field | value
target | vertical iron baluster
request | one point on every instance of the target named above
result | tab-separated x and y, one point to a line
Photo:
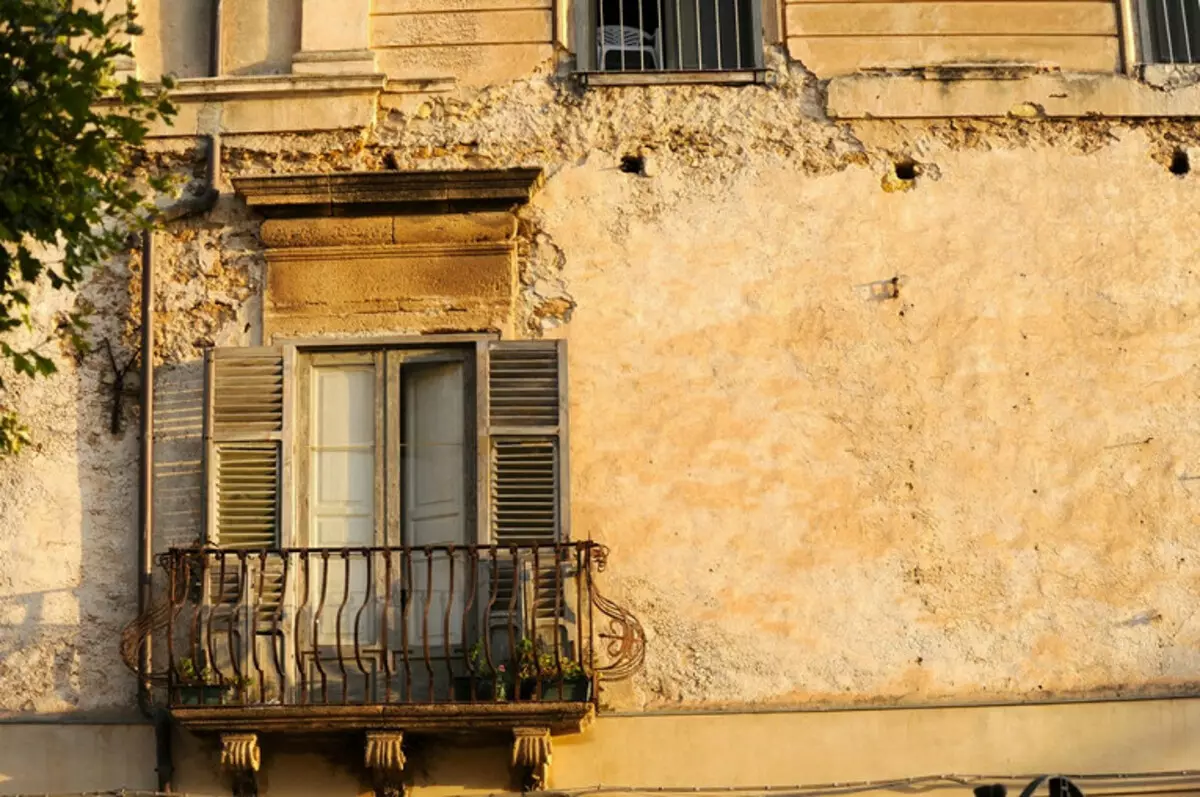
737	36
370	593
473	569
234	619
1187	35
318	610
699	41
446	622
514	654
172	612
253	620
717	25
591	624
533	610
601	55
341	657
641	37
558	613
276	638
658	38
405	603
425	618
487	623
305	559
385	626
678	33
198	612
577	574
212	613
621	30
1166	23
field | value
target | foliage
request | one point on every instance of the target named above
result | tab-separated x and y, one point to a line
192	675
71	136
533	660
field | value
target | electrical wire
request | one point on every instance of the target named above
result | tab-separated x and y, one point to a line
798	790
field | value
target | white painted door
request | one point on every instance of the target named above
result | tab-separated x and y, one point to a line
342	496
434	500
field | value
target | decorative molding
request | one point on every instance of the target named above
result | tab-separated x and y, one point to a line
385	760
532	751
241	758
348	189
1011	91
210	89
325	254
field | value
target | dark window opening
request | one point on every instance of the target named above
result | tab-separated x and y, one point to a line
1171	30
655	35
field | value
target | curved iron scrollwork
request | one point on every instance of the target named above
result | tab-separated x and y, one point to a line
156	618
619	634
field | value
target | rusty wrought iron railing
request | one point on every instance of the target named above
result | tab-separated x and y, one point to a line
360	626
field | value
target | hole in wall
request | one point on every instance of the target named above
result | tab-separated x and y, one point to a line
1180	163
633	164
905	169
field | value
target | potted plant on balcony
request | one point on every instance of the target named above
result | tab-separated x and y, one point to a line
552	677
201	686
485	682
563	679
198	686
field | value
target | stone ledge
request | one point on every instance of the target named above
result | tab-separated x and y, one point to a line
344	189
411	718
716	77
227	88
1003	92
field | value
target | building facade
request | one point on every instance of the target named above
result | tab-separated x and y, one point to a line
813	382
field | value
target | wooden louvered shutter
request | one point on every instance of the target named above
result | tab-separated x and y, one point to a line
527	438
245	458
527	463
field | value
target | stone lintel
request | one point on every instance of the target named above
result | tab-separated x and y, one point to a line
342	191
445	229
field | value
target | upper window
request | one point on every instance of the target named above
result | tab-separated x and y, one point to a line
1170	31
670	35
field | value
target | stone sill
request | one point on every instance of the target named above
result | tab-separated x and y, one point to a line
727	77
558	717
270	86
1022	92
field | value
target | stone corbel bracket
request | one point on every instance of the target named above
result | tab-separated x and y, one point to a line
385	760
241	758
532	750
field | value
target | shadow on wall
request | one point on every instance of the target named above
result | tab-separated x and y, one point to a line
316	767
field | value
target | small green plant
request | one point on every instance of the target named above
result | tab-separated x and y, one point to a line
191	675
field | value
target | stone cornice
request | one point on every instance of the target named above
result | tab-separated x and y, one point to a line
299	194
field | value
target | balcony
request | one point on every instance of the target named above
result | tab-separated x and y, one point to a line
394	640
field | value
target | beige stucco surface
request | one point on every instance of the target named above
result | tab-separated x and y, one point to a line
978	488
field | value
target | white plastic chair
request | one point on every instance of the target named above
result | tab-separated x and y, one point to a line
626	39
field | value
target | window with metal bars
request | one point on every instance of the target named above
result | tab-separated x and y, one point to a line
670	35
1170	31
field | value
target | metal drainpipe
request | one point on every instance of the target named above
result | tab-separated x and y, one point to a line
164	760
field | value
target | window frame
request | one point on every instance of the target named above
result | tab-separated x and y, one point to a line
473	347
589	73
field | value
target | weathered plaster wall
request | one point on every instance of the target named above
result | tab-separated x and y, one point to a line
850	443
